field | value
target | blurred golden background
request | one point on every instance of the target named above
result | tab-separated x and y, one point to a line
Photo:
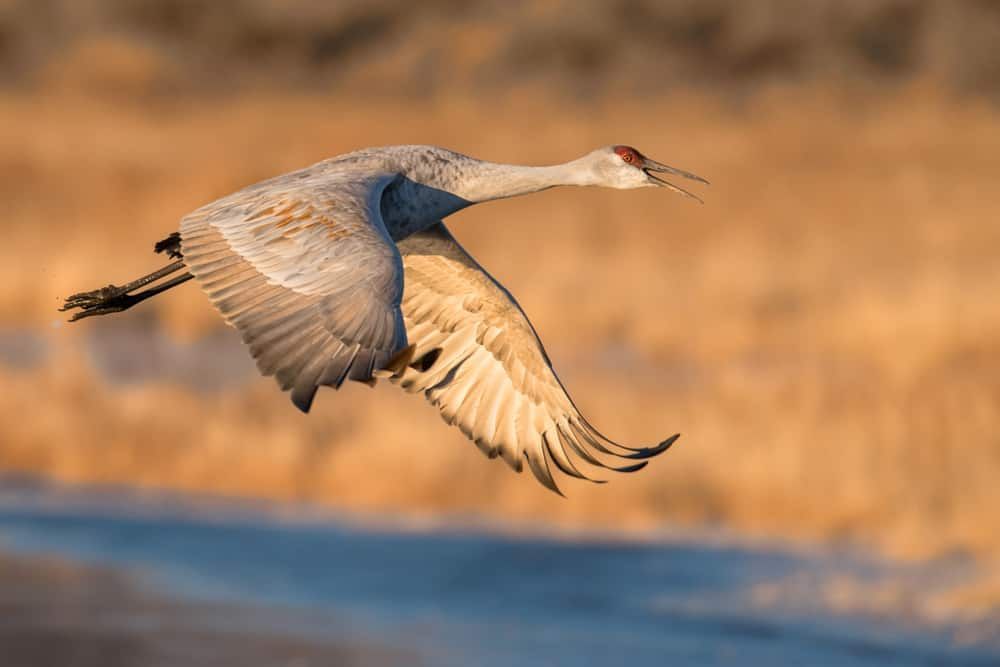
824	331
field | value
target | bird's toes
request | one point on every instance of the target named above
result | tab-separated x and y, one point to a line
105	296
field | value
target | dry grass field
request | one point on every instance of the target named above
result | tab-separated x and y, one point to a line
823	331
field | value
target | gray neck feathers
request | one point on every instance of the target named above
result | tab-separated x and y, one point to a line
478	181
437	183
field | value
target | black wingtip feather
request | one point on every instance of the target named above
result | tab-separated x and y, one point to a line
635	467
302	397
650	452
540	469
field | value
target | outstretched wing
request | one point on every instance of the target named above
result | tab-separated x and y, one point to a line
304	268
491	376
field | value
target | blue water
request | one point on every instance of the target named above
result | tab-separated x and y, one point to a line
468	597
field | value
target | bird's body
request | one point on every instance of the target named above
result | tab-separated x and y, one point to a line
344	270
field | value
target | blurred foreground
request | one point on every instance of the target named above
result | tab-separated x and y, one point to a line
62	613
280	584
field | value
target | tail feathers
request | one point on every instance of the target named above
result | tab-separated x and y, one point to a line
170	245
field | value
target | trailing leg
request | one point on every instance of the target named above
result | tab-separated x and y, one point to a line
115	298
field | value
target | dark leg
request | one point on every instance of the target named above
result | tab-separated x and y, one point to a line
114	299
82	299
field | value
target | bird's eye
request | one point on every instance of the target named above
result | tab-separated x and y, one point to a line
627	157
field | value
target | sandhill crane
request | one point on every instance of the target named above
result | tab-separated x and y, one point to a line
344	270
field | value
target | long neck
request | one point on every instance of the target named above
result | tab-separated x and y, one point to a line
439	183
485	181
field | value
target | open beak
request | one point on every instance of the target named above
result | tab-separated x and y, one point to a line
649	166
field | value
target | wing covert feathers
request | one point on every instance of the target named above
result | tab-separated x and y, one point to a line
308	276
492	378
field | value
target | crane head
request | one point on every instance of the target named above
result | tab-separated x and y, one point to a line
624	167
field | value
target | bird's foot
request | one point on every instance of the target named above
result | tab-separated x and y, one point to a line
115	299
110	299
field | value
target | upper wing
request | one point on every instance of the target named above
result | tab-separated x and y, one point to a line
492	377
306	271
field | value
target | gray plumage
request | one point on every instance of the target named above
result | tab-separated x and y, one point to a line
344	270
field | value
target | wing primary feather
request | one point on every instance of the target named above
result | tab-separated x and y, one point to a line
650	452
307	382
563	462
338	367
595	439
540	469
594	433
363	365
303	395
589	458
589	438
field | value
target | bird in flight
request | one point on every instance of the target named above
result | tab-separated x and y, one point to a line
344	270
